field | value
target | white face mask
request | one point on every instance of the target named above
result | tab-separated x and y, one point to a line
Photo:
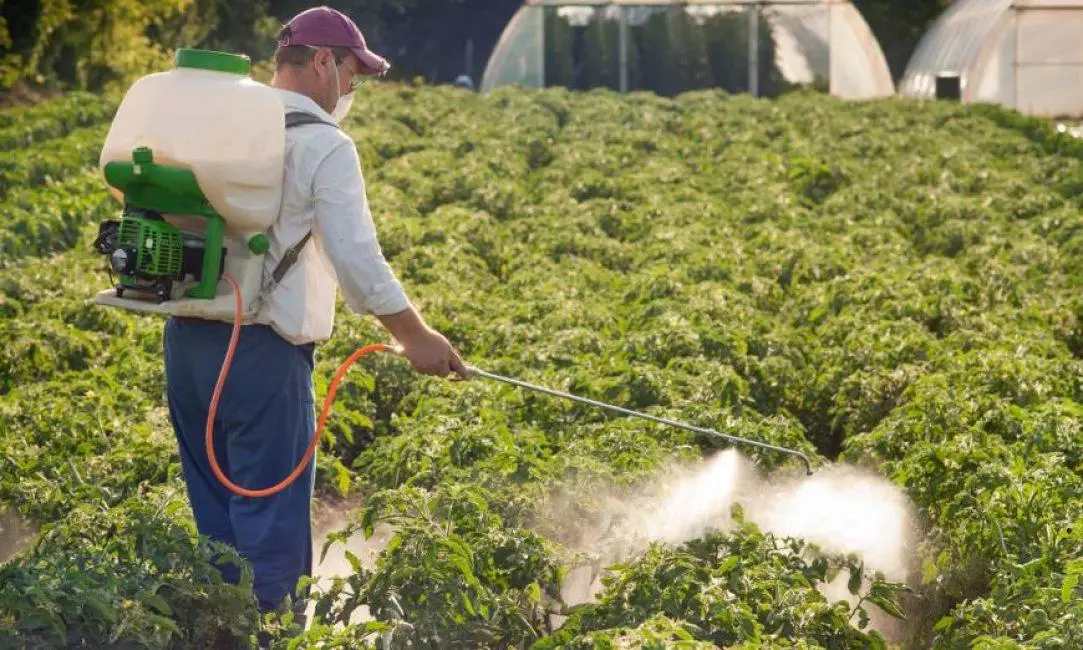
342	107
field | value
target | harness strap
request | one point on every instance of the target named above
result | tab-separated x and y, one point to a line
293	119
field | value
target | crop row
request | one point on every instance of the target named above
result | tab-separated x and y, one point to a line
33	127
49	218
31	167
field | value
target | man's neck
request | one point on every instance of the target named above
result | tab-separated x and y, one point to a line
283	80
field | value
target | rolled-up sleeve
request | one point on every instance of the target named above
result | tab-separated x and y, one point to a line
345	228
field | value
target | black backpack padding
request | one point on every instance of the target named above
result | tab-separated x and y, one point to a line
301	118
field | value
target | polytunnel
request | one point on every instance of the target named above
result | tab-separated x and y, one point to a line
1021	54
665	46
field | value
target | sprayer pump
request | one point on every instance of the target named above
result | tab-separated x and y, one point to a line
149	254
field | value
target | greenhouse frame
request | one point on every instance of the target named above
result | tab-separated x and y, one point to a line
1020	54
668	47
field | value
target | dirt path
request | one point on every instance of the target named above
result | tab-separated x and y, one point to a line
16	534
334	516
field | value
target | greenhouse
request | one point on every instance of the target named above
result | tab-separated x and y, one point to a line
1022	54
668	47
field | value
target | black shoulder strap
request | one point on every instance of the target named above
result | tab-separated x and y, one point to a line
294	119
289	259
301	118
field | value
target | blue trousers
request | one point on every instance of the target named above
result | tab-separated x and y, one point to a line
264	422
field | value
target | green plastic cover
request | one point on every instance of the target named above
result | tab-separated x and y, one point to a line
212	60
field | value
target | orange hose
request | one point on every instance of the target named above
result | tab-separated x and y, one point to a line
209	440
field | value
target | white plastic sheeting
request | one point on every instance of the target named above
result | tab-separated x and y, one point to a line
668	47
1022	54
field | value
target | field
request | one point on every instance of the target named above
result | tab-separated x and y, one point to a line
891	285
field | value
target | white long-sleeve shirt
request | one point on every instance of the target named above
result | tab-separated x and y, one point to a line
324	191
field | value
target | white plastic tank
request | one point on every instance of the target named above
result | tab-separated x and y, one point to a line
208	115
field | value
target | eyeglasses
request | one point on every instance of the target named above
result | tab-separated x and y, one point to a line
357	81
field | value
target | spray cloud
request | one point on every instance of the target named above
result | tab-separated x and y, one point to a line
840	508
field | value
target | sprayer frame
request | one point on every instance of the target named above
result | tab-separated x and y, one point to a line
148	186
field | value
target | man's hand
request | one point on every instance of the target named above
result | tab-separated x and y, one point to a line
432	354
429	351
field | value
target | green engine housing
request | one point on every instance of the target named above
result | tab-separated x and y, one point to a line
158	245
146	251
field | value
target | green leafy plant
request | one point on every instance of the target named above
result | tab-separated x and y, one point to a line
133	574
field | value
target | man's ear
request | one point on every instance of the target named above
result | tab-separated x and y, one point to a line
320	60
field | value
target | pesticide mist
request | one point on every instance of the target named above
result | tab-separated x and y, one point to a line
841	509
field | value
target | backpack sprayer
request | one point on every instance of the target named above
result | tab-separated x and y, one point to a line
191	240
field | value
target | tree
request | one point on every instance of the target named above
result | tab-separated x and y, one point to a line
96	44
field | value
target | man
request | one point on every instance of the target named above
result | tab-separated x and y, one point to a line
266	417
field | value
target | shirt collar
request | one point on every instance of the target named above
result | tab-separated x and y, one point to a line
298	101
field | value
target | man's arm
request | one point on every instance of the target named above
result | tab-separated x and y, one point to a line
368	284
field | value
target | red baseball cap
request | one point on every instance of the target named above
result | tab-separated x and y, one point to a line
327	27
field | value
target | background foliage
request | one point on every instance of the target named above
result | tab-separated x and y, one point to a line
94	44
